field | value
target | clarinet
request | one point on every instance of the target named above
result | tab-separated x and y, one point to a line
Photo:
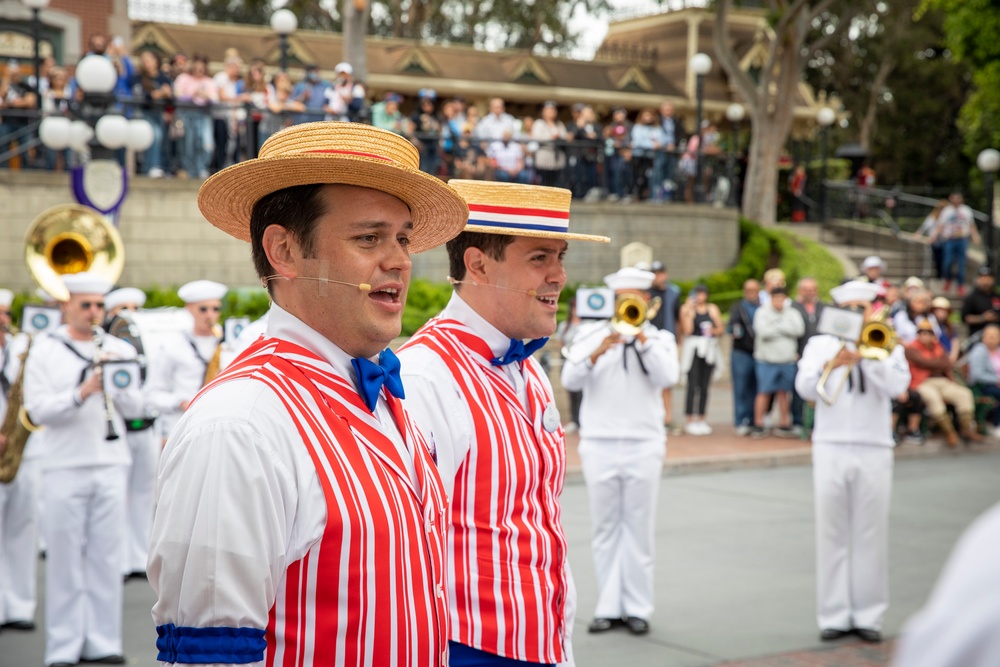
108	409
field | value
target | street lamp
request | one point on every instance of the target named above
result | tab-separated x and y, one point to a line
988	163
97	131
734	114
284	23
36	6
825	118
701	64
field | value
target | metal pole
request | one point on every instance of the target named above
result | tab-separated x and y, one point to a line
822	180
284	52
990	233
699	194
36	24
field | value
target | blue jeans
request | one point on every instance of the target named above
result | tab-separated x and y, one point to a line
954	255
743	369
153	157
199	142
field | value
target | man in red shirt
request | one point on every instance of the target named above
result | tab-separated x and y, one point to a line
931	376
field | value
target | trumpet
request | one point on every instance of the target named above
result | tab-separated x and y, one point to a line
631	312
109	421
877	341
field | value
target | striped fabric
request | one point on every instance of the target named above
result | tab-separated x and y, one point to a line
515	217
507	575
371	592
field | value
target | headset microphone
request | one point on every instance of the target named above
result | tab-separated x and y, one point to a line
364	287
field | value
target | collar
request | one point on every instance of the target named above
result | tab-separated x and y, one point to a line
458	309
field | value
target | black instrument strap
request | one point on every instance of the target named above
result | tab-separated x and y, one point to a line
194	347
4	382
69	346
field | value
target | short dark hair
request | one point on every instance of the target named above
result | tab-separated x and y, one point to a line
491	244
779	290
296	209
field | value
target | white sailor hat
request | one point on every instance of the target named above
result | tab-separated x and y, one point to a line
873	261
201	290
630	278
855	290
122	296
86	282
6	298
44	296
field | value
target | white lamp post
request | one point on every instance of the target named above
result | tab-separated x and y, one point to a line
701	65
734	114
988	162
284	23
825	117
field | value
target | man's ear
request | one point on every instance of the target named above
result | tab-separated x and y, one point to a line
475	266
282	250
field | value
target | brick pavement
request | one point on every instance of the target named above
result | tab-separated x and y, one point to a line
854	653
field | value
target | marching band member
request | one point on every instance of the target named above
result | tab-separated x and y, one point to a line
144	448
83	476
300	516
852	473
178	369
247	337
18	502
622	445
487	409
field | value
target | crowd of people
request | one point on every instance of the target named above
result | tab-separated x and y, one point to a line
203	122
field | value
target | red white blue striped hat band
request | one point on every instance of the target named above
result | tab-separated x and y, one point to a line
519	210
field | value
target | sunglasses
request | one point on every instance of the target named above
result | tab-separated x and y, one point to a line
205	309
926	331
87	305
5	312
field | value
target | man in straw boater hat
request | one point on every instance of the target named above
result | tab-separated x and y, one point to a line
852	472
487	409
300	514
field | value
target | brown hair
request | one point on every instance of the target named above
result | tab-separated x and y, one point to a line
296	209
493	245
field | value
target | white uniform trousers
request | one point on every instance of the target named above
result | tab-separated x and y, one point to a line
84	526
853	488
18	544
623	481
145	449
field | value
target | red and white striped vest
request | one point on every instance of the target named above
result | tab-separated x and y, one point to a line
371	591
507	579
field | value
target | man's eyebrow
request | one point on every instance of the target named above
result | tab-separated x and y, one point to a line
364	225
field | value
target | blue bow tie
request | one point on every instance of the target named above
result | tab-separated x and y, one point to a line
518	351
372	376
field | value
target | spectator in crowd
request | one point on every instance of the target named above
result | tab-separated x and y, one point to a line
742	366
55	101
117	52
587	134
646	141
911	286
173	141
666	318
311	92
450	132
151	86
425	131
258	94
892	301
701	326
797	188
984	370
810	308
494	124
909	408
338	96
957	228
386	114
617	135
777	327
530	147
918	308
927	228
873	270
358	110
197	92
865	179
550	133
665	163
280	106
41	83
947	333
772	278
982	306
931	375
470	161
229	114
17	100
508	156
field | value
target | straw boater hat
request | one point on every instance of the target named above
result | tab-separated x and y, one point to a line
519	210
341	153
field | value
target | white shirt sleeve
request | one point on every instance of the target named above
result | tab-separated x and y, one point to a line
659	354
45	400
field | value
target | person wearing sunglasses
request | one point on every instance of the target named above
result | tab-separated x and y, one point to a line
84	473
178	370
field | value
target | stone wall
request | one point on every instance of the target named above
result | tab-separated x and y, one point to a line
168	242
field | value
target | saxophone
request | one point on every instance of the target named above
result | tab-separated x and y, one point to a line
16	425
214	365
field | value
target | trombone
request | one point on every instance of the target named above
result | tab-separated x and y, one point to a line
631	312
877	341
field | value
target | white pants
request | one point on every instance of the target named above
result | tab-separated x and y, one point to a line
84	526
623	480
18	544
145	449
853	488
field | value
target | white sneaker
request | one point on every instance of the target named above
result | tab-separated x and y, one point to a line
996	432
691	428
155	172
571	427
742	430
705	428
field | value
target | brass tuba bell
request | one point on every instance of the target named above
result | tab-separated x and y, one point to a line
71	238
631	312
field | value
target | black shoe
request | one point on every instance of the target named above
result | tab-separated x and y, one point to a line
137	574
603	625
63	664
18	625
106	660
636	625
868	635
832	634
